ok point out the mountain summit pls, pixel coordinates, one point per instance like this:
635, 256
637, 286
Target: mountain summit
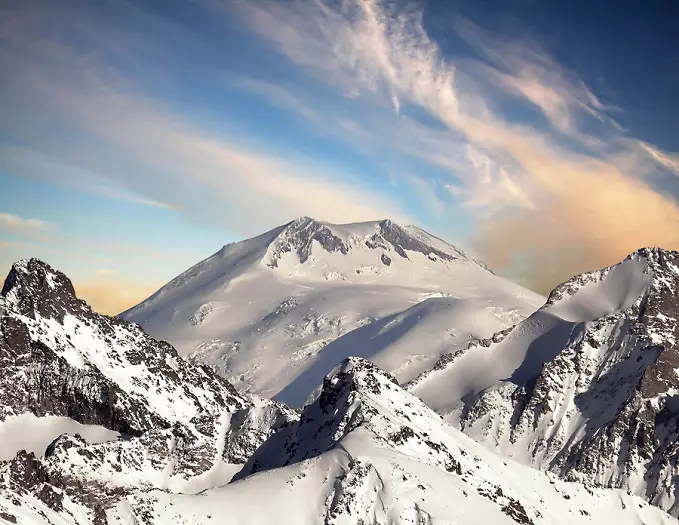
586, 387
265, 311
385, 238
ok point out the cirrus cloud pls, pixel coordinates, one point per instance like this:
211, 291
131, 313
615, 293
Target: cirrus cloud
20, 225
158, 156
550, 199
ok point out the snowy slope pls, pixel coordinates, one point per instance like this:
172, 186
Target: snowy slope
264, 311
366, 452
586, 387
145, 438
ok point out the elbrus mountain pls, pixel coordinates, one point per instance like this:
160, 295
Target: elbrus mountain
275, 313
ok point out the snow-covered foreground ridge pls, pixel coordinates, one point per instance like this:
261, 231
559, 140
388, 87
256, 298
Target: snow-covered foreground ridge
274, 313
160, 437
587, 387
367, 452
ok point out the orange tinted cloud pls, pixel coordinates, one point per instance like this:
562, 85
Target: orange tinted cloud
589, 216
112, 297
546, 207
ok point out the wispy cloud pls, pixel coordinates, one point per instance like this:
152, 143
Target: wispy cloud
522, 69
30, 163
666, 160
550, 200
235, 176
20, 225
168, 160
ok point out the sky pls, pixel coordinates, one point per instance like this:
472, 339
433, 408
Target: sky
138, 137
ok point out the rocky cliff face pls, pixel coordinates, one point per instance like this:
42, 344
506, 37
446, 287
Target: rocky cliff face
62, 365
401, 463
605, 409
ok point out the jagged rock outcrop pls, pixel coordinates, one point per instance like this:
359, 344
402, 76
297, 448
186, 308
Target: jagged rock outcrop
62, 365
600, 401
299, 236
387, 440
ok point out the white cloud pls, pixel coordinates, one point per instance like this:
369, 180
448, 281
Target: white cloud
161, 159
31, 163
562, 198
521, 68
494, 188
20, 225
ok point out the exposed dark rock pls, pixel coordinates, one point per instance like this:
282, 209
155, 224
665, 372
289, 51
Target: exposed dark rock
402, 240
60, 358
299, 235
398, 249
10, 518
621, 373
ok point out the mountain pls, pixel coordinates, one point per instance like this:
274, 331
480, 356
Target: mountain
273, 314
367, 452
587, 387
102, 424
92, 408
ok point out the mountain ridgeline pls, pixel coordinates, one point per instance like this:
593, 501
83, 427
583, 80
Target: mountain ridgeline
431, 391
125, 432
586, 387
69, 375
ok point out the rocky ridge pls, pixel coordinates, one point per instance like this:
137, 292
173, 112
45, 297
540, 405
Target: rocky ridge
177, 424
603, 408
383, 432
386, 236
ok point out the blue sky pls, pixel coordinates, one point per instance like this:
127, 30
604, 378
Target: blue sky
139, 137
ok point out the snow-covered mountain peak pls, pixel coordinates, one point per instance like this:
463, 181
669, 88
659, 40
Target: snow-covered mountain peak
654, 255
30, 275
298, 237
33, 288
355, 373
587, 386
646, 266
265, 311
351, 395
305, 237
385, 457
